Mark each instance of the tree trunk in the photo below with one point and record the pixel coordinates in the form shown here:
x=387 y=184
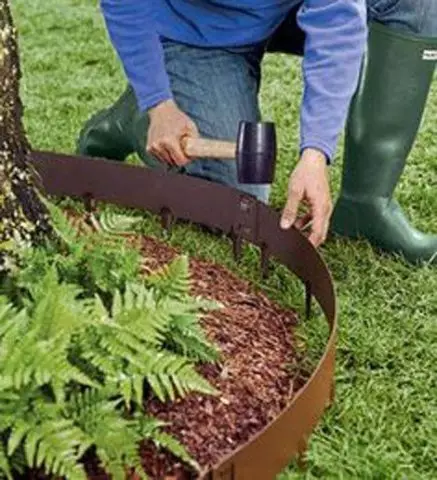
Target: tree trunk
x=23 y=217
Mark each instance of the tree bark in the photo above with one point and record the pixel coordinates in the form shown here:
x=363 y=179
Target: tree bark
x=24 y=219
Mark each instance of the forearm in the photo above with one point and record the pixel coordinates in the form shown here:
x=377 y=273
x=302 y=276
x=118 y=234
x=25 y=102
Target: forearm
x=131 y=28
x=336 y=33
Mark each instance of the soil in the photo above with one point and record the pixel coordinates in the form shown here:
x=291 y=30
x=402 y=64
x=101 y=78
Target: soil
x=256 y=376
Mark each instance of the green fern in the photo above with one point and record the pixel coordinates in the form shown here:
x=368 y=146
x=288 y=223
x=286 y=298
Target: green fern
x=138 y=312
x=116 y=438
x=60 y=223
x=132 y=338
x=171 y=285
x=107 y=266
x=9 y=406
x=5 y=467
x=62 y=311
x=35 y=343
x=171 y=375
x=151 y=429
x=172 y=280
x=185 y=335
x=96 y=263
x=82 y=336
x=55 y=445
x=47 y=439
x=114 y=223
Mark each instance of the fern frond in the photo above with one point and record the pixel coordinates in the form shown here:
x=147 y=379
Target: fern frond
x=116 y=438
x=120 y=358
x=114 y=223
x=46 y=438
x=34 y=348
x=62 y=311
x=5 y=467
x=192 y=343
x=13 y=407
x=172 y=280
x=185 y=334
x=164 y=440
x=104 y=367
x=87 y=408
x=55 y=445
x=8 y=315
x=20 y=429
x=128 y=345
x=84 y=336
x=137 y=314
x=96 y=262
x=108 y=266
x=60 y=222
x=170 y=375
x=12 y=323
x=151 y=429
x=34 y=362
x=112 y=344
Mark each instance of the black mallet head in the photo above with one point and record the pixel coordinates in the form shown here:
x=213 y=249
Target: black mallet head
x=256 y=152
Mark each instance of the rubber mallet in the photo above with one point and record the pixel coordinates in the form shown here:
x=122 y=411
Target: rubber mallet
x=254 y=151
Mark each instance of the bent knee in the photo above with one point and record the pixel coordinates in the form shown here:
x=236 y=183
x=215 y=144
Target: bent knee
x=418 y=17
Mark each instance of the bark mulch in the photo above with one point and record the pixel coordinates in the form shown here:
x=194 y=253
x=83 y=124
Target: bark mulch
x=255 y=375
x=255 y=338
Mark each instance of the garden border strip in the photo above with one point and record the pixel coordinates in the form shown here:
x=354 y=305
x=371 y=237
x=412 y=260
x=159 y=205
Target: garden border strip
x=243 y=218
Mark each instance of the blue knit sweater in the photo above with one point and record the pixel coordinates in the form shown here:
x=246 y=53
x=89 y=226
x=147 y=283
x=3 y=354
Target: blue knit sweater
x=335 y=31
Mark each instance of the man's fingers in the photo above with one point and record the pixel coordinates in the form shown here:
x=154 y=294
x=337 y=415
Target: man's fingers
x=303 y=221
x=169 y=154
x=168 y=124
x=169 y=151
x=160 y=153
x=174 y=149
x=320 y=227
x=316 y=237
x=290 y=211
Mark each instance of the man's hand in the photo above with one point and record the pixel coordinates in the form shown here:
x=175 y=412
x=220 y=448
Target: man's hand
x=309 y=184
x=168 y=125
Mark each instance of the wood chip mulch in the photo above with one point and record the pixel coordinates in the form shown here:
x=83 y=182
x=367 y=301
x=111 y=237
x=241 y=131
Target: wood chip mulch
x=254 y=377
x=255 y=338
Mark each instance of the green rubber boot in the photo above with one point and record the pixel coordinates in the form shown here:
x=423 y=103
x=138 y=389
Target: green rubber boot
x=384 y=118
x=116 y=132
x=107 y=134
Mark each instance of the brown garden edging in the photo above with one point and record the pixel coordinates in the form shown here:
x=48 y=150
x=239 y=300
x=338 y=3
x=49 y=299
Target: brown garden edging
x=174 y=196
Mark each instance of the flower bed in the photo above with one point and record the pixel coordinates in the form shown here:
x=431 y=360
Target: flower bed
x=262 y=454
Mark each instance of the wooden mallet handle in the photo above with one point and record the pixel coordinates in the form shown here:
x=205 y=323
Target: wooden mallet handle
x=203 y=147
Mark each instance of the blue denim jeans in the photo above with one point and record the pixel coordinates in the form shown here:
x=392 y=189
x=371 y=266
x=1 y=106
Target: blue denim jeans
x=418 y=17
x=219 y=87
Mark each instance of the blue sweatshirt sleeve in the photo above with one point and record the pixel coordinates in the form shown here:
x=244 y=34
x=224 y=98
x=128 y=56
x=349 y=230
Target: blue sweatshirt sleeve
x=132 y=30
x=336 y=32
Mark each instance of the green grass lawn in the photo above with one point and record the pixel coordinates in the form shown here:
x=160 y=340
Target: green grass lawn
x=384 y=422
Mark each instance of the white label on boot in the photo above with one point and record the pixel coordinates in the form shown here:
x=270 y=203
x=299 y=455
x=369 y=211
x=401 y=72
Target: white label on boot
x=430 y=55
